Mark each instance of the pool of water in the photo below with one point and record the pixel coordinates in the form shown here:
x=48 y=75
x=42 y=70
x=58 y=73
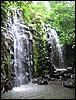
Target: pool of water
x=34 y=91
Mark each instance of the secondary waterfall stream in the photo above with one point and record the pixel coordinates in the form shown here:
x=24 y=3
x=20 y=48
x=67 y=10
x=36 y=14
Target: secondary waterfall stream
x=57 y=55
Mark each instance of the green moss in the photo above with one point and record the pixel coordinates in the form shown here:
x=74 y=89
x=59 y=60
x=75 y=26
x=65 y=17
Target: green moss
x=2 y=70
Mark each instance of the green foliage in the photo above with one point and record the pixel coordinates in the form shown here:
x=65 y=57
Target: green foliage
x=40 y=8
x=36 y=20
x=62 y=18
x=39 y=51
x=4 y=9
x=24 y=6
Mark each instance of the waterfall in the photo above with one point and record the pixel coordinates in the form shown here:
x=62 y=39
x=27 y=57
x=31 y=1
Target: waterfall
x=57 y=54
x=20 y=50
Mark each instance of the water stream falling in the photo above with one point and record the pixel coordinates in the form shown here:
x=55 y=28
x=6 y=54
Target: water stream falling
x=57 y=55
x=20 y=50
x=21 y=64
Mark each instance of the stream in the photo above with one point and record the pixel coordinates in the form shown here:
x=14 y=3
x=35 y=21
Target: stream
x=35 y=91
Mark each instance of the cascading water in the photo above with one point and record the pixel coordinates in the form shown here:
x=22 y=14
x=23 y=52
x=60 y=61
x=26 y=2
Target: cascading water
x=57 y=56
x=20 y=49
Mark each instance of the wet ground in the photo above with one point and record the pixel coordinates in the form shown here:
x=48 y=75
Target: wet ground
x=34 y=91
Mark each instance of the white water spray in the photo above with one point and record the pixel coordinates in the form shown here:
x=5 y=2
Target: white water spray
x=57 y=51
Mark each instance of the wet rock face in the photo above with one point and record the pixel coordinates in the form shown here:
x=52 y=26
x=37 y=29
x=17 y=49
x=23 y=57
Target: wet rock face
x=5 y=84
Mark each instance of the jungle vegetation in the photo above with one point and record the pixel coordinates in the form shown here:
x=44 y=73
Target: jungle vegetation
x=59 y=15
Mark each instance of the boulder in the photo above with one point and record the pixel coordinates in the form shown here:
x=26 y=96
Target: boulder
x=52 y=79
x=70 y=83
x=2 y=76
x=73 y=76
x=34 y=80
x=5 y=85
x=56 y=75
x=44 y=82
x=39 y=80
x=47 y=77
